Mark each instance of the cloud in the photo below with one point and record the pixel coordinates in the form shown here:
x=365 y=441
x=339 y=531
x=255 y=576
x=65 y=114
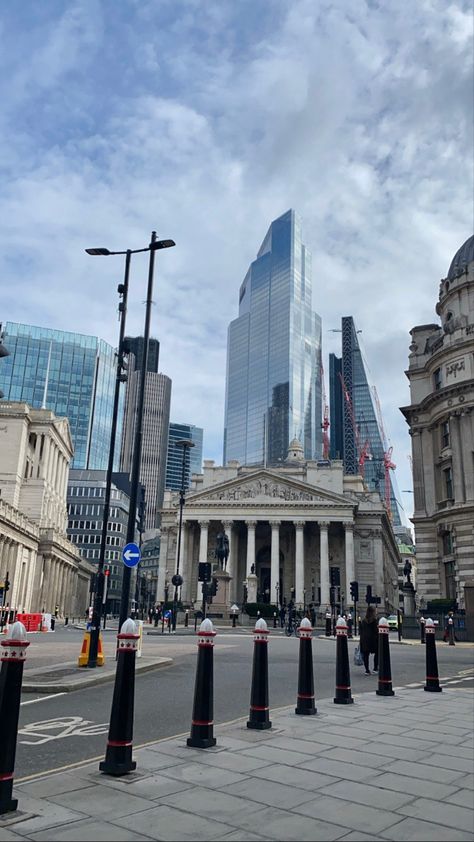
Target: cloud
x=205 y=122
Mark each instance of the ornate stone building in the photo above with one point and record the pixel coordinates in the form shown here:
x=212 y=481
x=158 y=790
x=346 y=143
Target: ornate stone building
x=44 y=569
x=287 y=527
x=441 y=420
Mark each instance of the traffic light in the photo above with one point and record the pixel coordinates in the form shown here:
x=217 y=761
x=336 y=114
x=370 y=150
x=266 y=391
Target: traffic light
x=355 y=591
x=214 y=586
x=335 y=577
x=204 y=571
x=368 y=595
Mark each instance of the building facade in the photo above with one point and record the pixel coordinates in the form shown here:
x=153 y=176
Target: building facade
x=69 y=373
x=287 y=527
x=43 y=567
x=192 y=456
x=441 y=421
x=85 y=505
x=156 y=416
x=356 y=421
x=273 y=378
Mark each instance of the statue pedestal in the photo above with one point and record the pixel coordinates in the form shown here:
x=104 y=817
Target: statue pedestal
x=221 y=601
x=252 y=588
x=409 y=608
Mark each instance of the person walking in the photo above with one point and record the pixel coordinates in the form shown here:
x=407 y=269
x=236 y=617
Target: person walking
x=369 y=638
x=282 y=616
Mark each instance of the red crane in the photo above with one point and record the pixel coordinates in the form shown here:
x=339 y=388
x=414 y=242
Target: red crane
x=387 y=456
x=325 y=423
x=363 y=450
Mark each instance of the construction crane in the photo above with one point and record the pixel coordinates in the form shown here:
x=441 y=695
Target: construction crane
x=325 y=422
x=388 y=465
x=363 y=450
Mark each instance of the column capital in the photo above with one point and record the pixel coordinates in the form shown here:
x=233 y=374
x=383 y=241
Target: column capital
x=275 y=524
x=250 y=523
x=324 y=524
x=299 y=524
x=349 y=527
x=203 y=524
x=227 y=524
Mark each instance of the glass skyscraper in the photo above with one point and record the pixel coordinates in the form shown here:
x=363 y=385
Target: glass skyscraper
x=69 y=373
x=192 y=456
x=273 y=380
x=348 y=376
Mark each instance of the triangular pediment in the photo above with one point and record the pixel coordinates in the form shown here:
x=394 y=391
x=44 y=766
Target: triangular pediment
x=61 y=424
x=265 y=486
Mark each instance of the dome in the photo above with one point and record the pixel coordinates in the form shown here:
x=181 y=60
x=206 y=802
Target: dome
x=462 y=258
x=295 y=451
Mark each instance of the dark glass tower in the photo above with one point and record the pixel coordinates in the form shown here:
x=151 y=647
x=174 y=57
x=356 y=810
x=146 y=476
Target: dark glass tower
x=349 y=386
x=192 y=456
x=273 y=382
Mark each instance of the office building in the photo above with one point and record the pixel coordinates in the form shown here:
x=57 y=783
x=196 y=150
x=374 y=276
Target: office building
x=192 y=456
x=441 y=421
x=273 y=378
x=356 y=432
x=156 y=416
x=69 y=373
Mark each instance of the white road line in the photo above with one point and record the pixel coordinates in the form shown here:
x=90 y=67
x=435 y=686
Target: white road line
x=42 y=699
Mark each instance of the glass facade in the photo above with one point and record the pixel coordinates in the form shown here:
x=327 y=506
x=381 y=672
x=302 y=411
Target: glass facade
x=192 y=459
x=342 y=435
x=273 y=380
x=71 y=374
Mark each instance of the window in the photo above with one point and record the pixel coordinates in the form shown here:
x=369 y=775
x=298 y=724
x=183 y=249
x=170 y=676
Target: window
x=437 y=379
x=448 y=483
x=447 y=543
x=450 y=574
x=445 y=434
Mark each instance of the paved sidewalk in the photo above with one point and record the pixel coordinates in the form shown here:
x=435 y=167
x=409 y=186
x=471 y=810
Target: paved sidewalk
x=399 y=768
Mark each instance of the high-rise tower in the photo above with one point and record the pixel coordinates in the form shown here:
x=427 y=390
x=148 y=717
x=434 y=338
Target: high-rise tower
x=355 y=424
x=192 y=456
x=273 y=381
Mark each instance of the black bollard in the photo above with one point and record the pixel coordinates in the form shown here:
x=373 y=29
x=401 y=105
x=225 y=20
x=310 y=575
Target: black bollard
x=343 y=677
x=118 y=757
x=385 y=669
x=328 y=624
x=349 y=626
x=451 y=631
x=186 y=619
x=202 y=725
x=259 y=710
x=274 y=620
x=432 y=676
x=422 y=629
x=13 y=658
x=305 y=697
x=234 y=618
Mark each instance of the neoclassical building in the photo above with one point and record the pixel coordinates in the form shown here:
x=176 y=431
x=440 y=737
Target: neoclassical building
x=441 y=421
x=44 y=568
x=287 y=528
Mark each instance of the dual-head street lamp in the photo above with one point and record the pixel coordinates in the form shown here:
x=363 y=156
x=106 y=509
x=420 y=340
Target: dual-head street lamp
x=177 y=580
x=136 y=459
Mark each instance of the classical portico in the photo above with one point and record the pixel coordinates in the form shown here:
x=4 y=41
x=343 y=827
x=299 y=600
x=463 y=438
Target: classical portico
x=283 y=529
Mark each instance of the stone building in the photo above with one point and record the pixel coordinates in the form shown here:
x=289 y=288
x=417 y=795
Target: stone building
x=441 y=421
x=44 y=569
x=287 y=528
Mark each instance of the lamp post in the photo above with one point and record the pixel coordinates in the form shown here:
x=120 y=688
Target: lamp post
x=277 y=589
x=177 y=580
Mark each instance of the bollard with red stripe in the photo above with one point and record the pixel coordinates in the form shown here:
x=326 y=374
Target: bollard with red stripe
x=305 y=697
x=432 y=676
x=343 y=677
x=202 y=725
x=259 y=710
x=118 y=757
x=385 y=669
x=13 y=658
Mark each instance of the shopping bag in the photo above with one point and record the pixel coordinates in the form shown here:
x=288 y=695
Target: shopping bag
x=358 y=659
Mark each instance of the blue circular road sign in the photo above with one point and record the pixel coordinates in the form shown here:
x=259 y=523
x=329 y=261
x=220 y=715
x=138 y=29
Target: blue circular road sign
x=131 y=555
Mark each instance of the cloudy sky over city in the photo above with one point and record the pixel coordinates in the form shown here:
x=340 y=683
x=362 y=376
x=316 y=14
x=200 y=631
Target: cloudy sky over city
x=205 y=120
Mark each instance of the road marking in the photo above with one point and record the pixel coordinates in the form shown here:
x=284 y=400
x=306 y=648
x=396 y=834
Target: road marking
x=60 y=727
x=41 y=699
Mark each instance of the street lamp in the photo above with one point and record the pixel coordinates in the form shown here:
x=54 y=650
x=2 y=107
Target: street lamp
x=277 y=588
x=177 y=580
x=120 y=378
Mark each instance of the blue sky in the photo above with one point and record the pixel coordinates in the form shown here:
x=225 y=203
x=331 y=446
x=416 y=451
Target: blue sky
x=205 y=121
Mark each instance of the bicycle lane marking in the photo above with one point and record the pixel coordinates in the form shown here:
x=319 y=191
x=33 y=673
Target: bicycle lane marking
x=59 y=728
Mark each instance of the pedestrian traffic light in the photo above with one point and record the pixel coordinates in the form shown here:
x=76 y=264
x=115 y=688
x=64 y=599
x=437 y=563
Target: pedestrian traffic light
x=355 y=591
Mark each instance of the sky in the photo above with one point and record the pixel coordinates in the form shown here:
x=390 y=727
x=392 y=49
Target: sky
x=205 y=120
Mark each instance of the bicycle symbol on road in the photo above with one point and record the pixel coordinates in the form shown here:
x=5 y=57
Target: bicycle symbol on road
x=60 y=727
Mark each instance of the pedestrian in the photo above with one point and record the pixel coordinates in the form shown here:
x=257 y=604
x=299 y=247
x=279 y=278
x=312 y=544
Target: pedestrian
x=282 y=616
x=348 y=616
x=312 y=615
x=369 y=638
x=448 y=625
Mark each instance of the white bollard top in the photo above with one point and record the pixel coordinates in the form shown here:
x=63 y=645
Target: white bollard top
x=341 y=622
x=383 y=621
x=129 y=627
x=17 y=631
x=234 y=607
x=429 y=622
x=305 y=623
x=206 y=626
x=261 y=625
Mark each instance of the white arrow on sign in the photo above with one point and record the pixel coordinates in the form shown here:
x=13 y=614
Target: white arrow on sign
x=128 y=554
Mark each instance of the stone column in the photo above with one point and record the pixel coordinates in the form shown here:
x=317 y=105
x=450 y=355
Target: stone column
x=275 y=562
x=160 y=588
x=231 y=567
x=299 y=562
x=184 y=564
x=378 y=564
x=250 y=524
x=350 y=568
x=3 y=559
x=459 y=488
x=14 y=568
x=45 y=582
x=203 y=539
x=324 y=563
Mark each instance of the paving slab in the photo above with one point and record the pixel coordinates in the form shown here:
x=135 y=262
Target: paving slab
x=348 y=814
x=416 y=830
x=444 y=813
x=88 y=829
x=163 y=822
x=366 y=794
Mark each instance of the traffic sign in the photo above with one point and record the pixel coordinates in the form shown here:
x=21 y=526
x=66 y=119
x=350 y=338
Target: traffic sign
x=131 y=555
